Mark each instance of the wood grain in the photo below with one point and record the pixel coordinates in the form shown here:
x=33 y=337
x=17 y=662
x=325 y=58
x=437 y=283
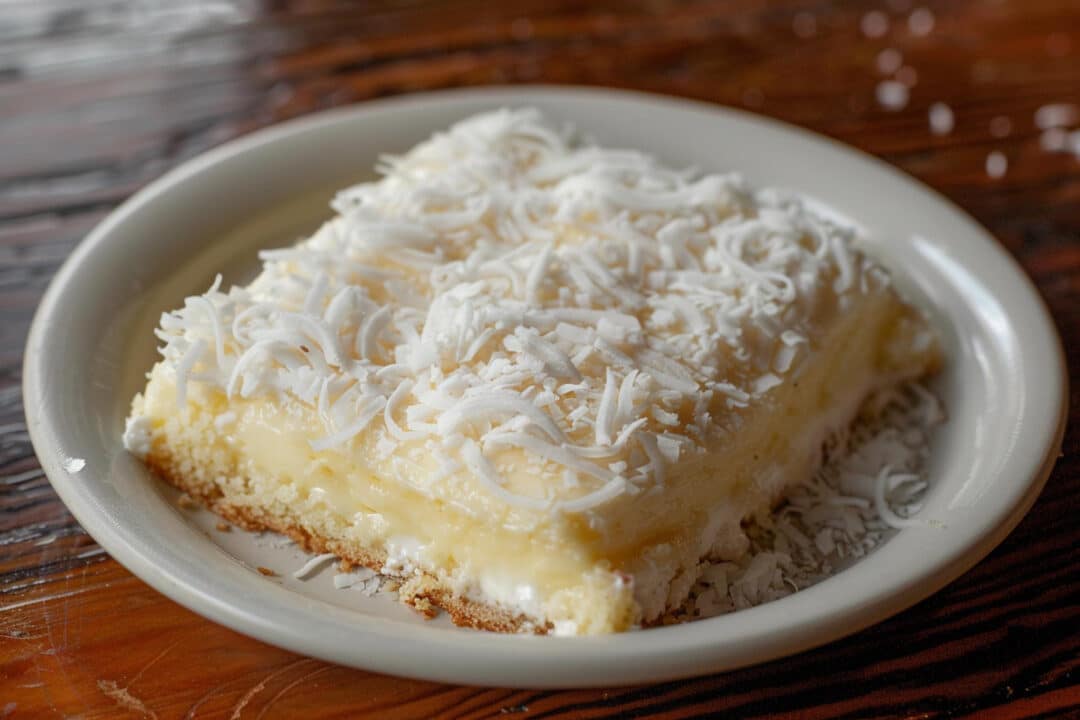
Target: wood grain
x=97 y=98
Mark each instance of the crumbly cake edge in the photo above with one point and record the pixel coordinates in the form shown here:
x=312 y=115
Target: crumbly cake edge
x=421 y=590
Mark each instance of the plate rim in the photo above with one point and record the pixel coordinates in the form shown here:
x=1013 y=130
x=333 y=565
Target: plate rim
x=44 y=430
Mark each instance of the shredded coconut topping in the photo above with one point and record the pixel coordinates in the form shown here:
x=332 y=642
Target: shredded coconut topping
x=507 y=297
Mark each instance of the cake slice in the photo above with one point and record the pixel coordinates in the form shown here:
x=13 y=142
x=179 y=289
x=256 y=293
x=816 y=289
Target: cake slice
x=539 y=381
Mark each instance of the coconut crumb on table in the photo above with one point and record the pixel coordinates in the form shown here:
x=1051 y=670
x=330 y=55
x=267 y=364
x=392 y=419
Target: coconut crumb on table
x=997 y=165
x=892 y=95
x=941 y=117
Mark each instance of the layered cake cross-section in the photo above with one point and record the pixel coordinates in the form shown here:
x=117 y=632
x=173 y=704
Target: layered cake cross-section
x=539 y=381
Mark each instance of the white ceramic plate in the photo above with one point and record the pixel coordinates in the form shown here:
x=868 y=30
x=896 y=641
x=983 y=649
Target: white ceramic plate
x=92 y=342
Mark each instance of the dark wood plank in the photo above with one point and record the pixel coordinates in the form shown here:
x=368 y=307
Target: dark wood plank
x=97 y=98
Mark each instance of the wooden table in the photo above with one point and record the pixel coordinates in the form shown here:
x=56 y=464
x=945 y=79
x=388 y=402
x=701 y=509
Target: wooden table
x=97 y=98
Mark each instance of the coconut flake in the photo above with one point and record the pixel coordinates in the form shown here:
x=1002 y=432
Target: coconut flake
x=369 y=410
x=605 y=413
x=184 y=367
x=313 y=564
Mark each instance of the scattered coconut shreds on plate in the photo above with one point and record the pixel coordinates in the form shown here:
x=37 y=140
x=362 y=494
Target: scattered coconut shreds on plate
x=871 y=484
